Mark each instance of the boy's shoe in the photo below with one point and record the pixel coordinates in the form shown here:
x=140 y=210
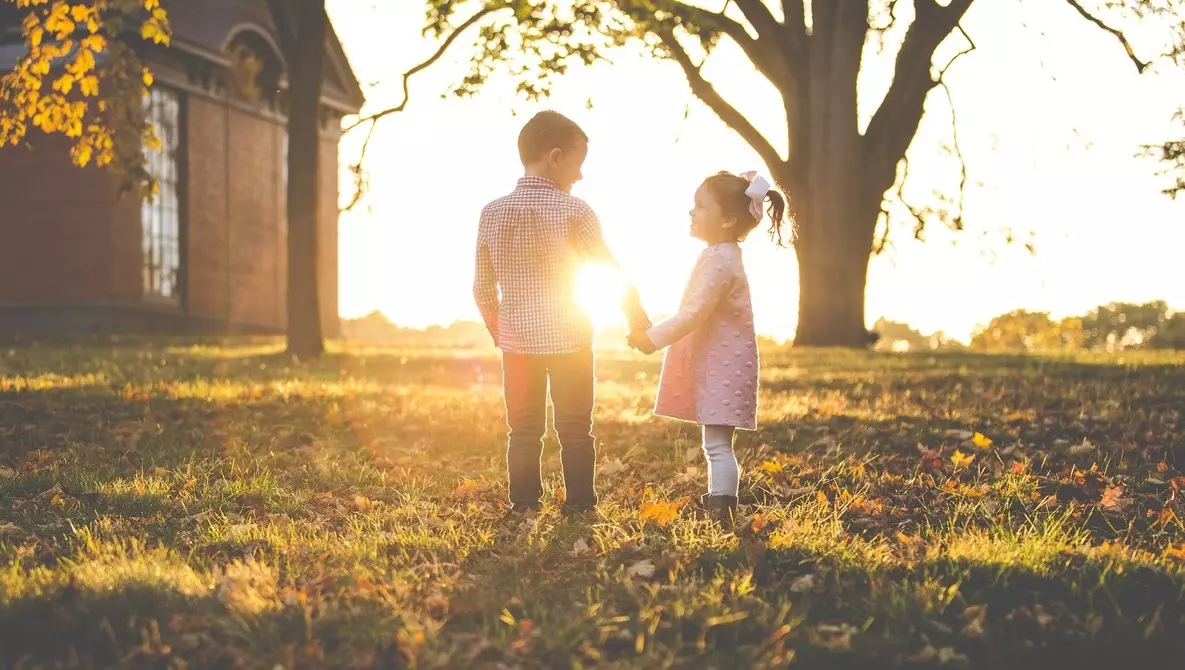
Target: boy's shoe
x=721 y=509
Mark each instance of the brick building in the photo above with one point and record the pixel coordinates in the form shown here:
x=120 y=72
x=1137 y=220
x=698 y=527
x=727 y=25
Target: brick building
x=209 y=254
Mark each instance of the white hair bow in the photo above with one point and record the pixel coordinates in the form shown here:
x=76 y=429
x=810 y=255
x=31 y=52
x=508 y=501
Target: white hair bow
x=758 y=188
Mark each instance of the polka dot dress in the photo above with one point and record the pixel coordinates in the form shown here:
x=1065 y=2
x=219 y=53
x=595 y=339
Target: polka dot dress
x=709 y=375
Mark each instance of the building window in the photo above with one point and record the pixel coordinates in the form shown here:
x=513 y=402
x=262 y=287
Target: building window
x=161 y=219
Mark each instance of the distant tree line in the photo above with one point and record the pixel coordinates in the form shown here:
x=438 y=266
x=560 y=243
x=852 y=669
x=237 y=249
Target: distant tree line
x=1115 y=326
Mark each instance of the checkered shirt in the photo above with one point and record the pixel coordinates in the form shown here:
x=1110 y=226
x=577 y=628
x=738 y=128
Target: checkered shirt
x=530 y=245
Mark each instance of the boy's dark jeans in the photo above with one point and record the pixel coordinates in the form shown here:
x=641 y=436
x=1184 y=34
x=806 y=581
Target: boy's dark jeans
x=525 y=383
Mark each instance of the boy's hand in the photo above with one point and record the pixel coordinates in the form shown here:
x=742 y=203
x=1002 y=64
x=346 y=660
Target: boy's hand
x=635 y=314
x=638 y=339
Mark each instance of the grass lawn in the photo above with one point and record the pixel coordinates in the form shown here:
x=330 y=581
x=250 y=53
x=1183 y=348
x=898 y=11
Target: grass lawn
x=165 y=504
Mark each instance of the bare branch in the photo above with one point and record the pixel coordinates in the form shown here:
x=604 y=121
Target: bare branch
x=795 y=26
x=893 y=126
x=1127 y=47
x=957 y=220
x=765 y=54
x=372 y=118
x=712 y=98
x=759 y=16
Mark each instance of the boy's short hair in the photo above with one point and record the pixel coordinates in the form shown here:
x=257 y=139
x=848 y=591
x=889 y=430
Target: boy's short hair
x=545 y=131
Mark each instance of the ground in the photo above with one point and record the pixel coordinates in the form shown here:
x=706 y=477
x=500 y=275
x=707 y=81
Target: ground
x=165 y=503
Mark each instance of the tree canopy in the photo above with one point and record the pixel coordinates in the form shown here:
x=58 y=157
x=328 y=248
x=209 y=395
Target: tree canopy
x=81 y=76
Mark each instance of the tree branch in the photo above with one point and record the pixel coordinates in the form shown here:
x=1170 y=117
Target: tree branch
x=759 y=16
x=894 y=125
x=765 y=53
x=957 y=219
x=356 y=169
x=1127 y=47
x=373 y=118
x=708 y=94
x=794 y=27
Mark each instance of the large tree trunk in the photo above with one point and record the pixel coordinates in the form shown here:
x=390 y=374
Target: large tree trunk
x=306 y=61
x=832 y=272
x=835 y=200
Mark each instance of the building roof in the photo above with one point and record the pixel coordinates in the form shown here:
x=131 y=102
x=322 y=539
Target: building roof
x=205 y=27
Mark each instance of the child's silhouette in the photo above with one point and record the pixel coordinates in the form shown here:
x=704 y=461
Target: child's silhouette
x=530 y=245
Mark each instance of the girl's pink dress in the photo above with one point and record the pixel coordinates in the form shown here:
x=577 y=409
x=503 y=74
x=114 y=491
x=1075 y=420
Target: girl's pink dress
x=709 y=375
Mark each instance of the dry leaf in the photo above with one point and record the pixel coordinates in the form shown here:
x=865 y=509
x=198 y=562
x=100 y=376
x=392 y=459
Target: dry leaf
x=981 y=441
x=1083 y=448
x=466 y=488
x=363 y=503
x=661 y=512
x=804 y=584
x=961 y=460
x=974 y=616
x=437 y=605
x=9 y=529
x=833 y=638
x=644 y=569
x=612 y=467
x=771 y=467
x=580 y=547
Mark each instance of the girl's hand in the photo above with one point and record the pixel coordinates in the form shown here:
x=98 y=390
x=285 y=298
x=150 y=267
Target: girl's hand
x=641 y=341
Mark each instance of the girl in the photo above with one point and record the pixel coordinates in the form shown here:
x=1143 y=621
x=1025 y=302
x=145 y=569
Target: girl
x=709 y=375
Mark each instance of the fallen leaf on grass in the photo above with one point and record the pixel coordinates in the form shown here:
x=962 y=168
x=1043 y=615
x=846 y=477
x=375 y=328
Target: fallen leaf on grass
x=770 y=467
x=612 y=467
x=661 y=512
x=981 y=441
x=363 y=503
x=804 y=584
x=961 y=460
x=1112 y=497
x=9 y=529
x=974 y=616
x=643 y=568
x=834 y=638
x=1173 y=551
x=466 y=488
x=437 y=605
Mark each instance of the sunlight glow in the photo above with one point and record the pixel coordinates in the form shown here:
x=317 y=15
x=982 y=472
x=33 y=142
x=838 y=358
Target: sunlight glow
x=600 y=289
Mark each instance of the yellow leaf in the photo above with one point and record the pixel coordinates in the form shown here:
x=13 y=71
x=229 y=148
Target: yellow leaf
x=661 y=512
x=961 y=460
x=89 y=85
x=79 y=13
x=363 y=503
x=148 y=79
x=981 y=441
x=63 y=84
x=771 y=467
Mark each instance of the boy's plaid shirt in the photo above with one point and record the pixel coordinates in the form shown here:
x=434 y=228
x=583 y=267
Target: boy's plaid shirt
x=530 y=245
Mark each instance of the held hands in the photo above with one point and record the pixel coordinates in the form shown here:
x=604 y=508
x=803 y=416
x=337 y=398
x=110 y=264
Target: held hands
x=638 y=321
x=638 y=339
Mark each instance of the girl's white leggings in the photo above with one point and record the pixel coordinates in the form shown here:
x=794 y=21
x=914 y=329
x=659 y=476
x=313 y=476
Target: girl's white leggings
x=724 y=473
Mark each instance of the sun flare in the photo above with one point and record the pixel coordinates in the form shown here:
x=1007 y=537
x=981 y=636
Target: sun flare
x=599 y=290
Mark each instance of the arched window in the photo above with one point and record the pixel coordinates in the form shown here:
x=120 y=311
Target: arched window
x=255 y=68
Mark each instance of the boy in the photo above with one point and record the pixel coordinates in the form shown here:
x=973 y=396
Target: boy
x=530 y=245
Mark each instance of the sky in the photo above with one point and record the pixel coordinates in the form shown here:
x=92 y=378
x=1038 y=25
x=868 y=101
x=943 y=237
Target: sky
x=1050 y=115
